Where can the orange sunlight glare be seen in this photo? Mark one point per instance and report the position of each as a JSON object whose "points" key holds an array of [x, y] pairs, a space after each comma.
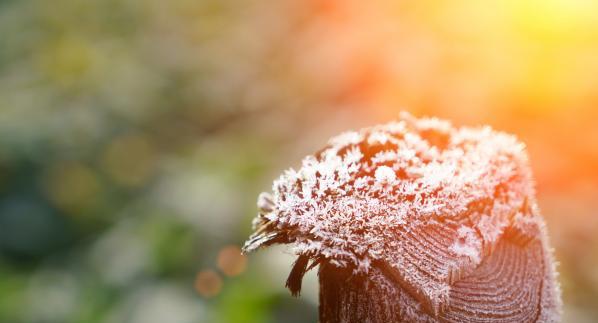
{"points": [[536, 56]]}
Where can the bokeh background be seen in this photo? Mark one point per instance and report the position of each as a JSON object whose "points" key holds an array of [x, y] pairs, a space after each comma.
{"points": [[135, 136]]}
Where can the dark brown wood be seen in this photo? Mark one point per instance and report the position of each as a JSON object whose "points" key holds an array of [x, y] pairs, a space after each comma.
{"points": [[345, 297], [415, 221], [508, 286]]}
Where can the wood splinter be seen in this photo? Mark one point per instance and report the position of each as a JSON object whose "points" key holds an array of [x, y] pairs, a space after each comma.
{"points": [[415, 221]]}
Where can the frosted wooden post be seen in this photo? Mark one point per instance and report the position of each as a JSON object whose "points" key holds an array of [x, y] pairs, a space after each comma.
{"points": [[415, 221]]}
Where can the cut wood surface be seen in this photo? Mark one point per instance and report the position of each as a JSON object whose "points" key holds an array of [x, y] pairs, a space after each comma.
{"points": [[416, 221]]}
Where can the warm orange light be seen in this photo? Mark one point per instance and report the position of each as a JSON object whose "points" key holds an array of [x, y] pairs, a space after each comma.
{"points": [[208, 283], [231, 261], [533, 56]]}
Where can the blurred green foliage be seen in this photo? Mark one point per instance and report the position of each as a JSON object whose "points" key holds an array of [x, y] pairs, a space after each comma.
{"points": [[120, 173]]}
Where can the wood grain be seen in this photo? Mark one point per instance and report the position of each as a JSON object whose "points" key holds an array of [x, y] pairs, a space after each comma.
{"points": [[508, 286]]}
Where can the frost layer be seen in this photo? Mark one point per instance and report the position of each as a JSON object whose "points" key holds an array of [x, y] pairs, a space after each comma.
{"points": [[419, 199]]}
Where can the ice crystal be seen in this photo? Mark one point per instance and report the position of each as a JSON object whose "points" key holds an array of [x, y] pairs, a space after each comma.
{"points": [[468, 244], [428, 199]]}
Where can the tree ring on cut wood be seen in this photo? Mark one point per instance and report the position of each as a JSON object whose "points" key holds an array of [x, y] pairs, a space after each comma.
{"points": [[416, 221]]}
